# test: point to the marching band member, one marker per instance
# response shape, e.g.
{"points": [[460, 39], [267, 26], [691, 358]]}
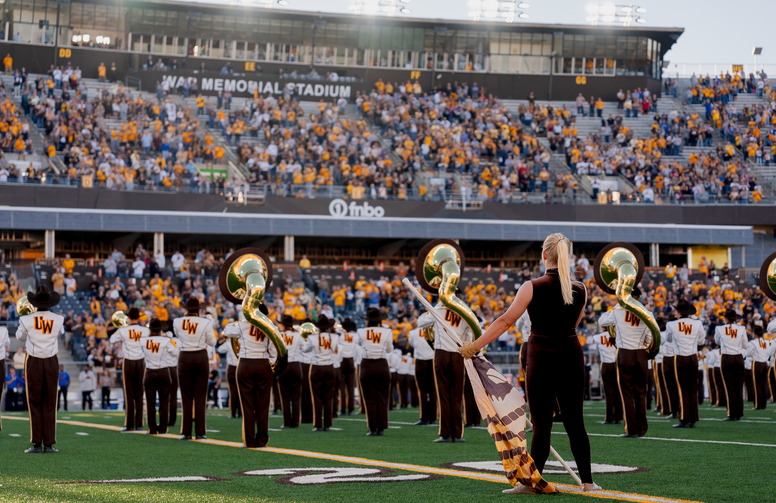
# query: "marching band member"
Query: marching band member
{"points": [[5, 345], [375, 375], [607, 353], [133, 370], [291, 381], [632, 337], [731, 338], [424, 374], [227, 348], [686, 333], [254, 380], [40, 332], [716, 374], [347, 348], [305, 360], [449, 373], [657, 372], [321, 378], [157, 381], [772, 362], [760, 350], [669, 375], [196, 334], [171, 363]]}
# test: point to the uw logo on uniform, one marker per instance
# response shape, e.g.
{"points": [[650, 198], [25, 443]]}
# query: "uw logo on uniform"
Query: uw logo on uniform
{"points": [[135, 335], [43, 324], [632, 319], [189, 327], [685, 328]]}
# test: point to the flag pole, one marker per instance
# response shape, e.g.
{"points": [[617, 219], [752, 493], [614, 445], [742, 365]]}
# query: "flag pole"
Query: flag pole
{"points": [[565, 465]]}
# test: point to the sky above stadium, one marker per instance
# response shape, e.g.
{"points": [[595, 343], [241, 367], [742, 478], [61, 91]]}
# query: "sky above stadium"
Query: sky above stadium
{"points": [[716, 32]]}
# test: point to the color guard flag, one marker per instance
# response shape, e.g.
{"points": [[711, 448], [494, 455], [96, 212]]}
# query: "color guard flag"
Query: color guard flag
{"points": [[503, 408]]}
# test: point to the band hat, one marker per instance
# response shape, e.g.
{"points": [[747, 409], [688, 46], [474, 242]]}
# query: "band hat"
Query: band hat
{"points": [[287, 321], [43, 298], [263, 309], [155, 325], [374, 314], [731, 315], [636, 292], [133, 314], [192, 304], [684, 308], [324, 324], [349, 325]]}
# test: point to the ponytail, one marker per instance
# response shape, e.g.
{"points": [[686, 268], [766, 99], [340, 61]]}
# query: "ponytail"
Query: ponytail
{"points": [[556, 248], [562, 249]]}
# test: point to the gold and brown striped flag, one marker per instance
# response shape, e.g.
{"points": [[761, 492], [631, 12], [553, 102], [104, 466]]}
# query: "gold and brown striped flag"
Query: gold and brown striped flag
{"points": [[503, 408]]}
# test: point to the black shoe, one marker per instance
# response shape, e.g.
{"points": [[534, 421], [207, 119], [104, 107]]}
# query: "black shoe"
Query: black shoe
{"points": [[318, 429], [34, 449], [126, 430], [691, 425], [151, 432], [201, 437], [459, 440], [607, 422], [185, 437], [421, 423], [372, 433], [326, 428], [629, 435], [443, 440], [729, 419], [50, 449], [674, 416], [379, 433], [681, 425]]}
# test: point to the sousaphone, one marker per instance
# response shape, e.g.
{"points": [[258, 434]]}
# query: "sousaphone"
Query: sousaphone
{"points": [[618, 268], [243, 279], [768, 277], [438, 269]]}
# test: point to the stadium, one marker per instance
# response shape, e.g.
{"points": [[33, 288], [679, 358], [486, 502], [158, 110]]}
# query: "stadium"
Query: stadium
{"points": [[274, 169]]}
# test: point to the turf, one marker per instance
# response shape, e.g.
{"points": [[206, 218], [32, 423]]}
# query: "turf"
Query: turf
{"points": [[684, 470]]}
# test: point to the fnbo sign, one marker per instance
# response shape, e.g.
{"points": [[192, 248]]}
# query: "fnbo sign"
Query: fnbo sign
{"points": [[340, 208]]}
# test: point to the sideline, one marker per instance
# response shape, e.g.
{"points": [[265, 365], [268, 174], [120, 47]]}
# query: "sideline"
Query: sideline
{"points": [[615, 495]]}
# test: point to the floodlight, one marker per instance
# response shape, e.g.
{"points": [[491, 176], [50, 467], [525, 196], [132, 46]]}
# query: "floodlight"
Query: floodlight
{"points": [[757, 51]]}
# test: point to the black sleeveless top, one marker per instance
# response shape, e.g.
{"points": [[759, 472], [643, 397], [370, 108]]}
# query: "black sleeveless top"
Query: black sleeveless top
{"points": [[550, 317]]}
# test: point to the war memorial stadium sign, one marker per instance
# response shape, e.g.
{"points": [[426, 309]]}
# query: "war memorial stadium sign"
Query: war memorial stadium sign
{"points": [[241, 85]]}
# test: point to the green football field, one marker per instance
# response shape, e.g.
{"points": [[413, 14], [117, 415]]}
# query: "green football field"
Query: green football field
{"points": [[717, 462]]}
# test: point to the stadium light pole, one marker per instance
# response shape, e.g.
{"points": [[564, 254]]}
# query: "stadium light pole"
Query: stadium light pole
{"points": [[60, 3], [756, 51]]}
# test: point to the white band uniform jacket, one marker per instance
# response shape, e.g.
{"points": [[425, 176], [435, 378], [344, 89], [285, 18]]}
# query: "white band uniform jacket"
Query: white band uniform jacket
{"points": [[731, 339], [632, 333], [423, 350], [171, 360], [376, 341], [293, 342], [321, 346], [5, 342], [686, 334], [442, 341], [155, 349], [607, 351], [227, 349], [129, 337], [41, 331], [254, 344], [194, 332], [761, 349], [347, 344]]}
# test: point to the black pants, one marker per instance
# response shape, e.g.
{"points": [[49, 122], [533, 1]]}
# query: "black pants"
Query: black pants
{"points": [[772, 382], [403, 382], [254, 379], [105, 397], [632, 379], [375, 379], [334, 396], [611, 392], [449, 375], [173, 415], [322, 388], [192, 377], [712, 386], [555, 375], [424, 380], [290, 382], [41, 375], [650, 386], [276, 400], [157, 383], [686, 370], [62, 397], [669, 381], [700, 386], [733, 379], [394, 393], [133, 393], [471, 413], [234, 398], [749, 384], [86, 399], [719, 384], [307, 397], [347, 386], [657, 371], [760, 379]]}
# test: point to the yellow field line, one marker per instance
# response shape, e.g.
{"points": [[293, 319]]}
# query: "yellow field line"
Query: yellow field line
{"points": [[487, 477]]}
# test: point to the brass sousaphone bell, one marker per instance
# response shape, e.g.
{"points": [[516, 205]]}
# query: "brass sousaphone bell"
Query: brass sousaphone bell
{"points": [[243, 279], [768, 277], [438, 269], [24, 307], [618, 268], [119, 319]]}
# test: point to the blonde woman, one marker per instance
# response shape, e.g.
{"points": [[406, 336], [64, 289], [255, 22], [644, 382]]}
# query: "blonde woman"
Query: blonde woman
{"points": [[554, 364]]}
